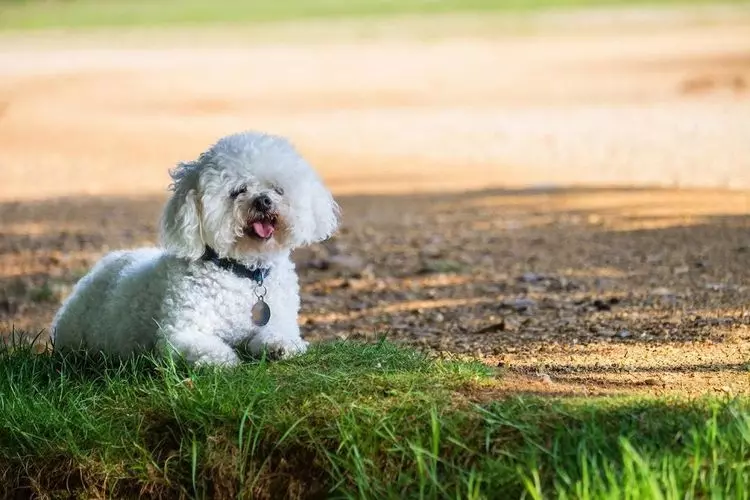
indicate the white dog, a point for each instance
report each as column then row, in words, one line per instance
column 228, row 230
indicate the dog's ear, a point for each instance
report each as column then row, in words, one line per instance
column 181, row 219
column 325, row 212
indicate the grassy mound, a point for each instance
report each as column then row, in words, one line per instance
column 348, row 420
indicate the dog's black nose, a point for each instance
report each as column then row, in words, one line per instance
column 263, row 203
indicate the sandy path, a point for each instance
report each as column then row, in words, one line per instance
column 568, row 291
column 667, row 105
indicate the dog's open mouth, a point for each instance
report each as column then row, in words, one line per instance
column 261, row 228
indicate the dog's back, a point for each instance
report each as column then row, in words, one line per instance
column 106, row 308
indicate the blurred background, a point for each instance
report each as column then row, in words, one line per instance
column 101, row 97
column 485, row 152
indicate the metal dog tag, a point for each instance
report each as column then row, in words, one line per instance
column 261, row 313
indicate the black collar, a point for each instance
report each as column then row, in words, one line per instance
column 257, row 274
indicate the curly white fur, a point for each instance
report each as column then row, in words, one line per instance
column 170, row 299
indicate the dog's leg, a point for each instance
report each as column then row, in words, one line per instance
column 199, row 348
column 280, row 340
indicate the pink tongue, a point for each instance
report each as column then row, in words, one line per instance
column 263, row 229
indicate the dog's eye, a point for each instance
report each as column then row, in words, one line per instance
column 240, row 190
column 279, row 190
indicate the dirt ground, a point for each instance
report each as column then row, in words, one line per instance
column 573, row 208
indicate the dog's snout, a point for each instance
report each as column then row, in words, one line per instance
column 263, row 203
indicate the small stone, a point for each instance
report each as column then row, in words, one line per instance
column 681, row 270
column 495, row 327
column 530, row 278
column 432, row 252
column 519, row 304
column 600, row 305
column 438, row 317
column 623, row 334
column 717, row 287
column 367, row 273
column 545, row 378
column 511, row 324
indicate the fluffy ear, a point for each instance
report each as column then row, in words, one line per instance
column 181, row 219
column 325, row 212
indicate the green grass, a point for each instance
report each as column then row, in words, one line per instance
column 349, row 420
column 36, row 14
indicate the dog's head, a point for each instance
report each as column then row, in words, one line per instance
column 248, row 195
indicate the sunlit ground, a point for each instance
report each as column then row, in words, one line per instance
column 401, row 117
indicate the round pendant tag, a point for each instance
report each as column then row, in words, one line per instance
column 261, row 313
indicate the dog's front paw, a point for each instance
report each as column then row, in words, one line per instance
column 276, row 348
column 286, row 349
